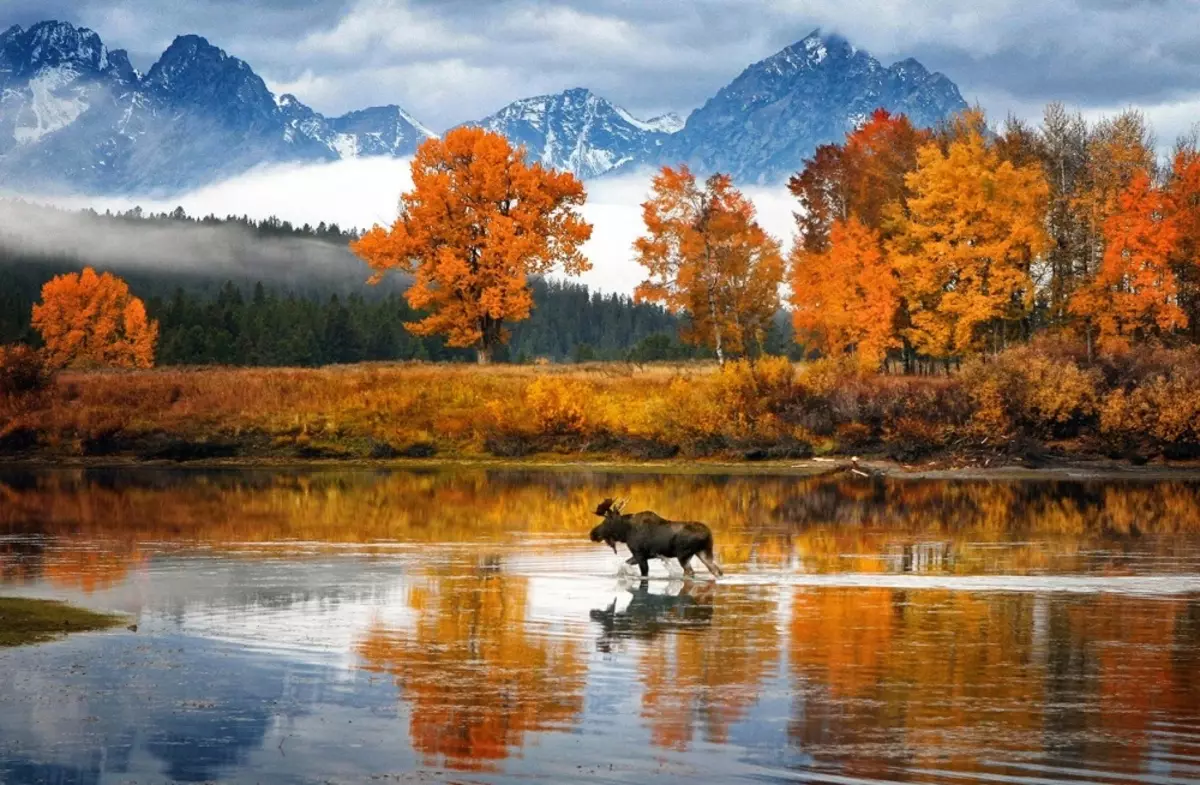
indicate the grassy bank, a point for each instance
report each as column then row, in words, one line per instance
column 24, row 621
column 1030, row 404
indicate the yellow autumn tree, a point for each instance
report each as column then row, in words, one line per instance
column 847, row 296
column 477, row 223
column 706, row 255
column 963, row 252
column 92, row 320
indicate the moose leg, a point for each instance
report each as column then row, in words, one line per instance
column 687, row 567
column 707, row 558
column 644, row 566
column 631, row 560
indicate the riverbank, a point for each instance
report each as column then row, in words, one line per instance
column 936, row 469
column 1029, row 408
column 25, row 620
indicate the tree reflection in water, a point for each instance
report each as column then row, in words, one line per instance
column 876, row 681
column 475, row 676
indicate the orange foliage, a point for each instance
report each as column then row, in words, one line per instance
column 880, row 154
column 863, row 179
column 22, row 371
column 846, row 297
column 705, row 254
column 1134, row 292
column 1183, row 190
column 713, row 678
column 476, row 224
column 477, row 677
column 964, row 251
column 90, row 320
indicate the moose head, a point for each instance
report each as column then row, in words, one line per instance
column 612, row 529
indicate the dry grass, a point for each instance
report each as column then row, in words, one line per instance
column 358, row 408
column 771, row 409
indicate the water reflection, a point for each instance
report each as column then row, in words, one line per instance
column 457, row 626
column 648, row 614
column 820, row 525
column 476, row 678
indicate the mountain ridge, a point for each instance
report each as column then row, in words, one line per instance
column 76, row 116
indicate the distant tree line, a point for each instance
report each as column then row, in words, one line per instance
column 271, row 226
column 238, row 320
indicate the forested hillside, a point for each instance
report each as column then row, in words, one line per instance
column 247, row 315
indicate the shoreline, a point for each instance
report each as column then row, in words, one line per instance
column 1069, row 469
column 26, row 621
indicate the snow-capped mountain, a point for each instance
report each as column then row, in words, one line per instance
column 762, row 126
column 579, row 131
column 380, row 130
column 76, row 116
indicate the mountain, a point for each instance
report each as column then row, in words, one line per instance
column 762, row 126
column 580, row 131
column 76, row 116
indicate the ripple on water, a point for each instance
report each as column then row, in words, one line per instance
column 459, row 627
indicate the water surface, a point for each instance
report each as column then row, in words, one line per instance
column 457, row 626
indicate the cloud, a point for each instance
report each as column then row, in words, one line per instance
column 360, row 193
column 614, row 209
column 229, row 250
column 450, row 61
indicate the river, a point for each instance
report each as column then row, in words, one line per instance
column 456, row 625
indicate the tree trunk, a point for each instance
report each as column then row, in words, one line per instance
column 483, row 355
column 712, row 314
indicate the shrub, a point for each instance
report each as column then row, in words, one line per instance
column 22, row 371
column 1030, row 392
column 1160, row 414
column 750, row 396
column 558, row 405
column 912, row 438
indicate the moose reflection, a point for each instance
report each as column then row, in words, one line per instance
column 683, row 606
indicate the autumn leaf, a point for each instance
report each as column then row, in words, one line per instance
column 477, row 223
column 846, row 297
column 90, row 320
column 1134, row 293
column 706, row 255
column 963, row 252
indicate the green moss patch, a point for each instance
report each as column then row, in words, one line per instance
column 24, row 621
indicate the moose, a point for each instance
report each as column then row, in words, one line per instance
column 649, row 535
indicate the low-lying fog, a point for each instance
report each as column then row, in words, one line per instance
column 352, row 193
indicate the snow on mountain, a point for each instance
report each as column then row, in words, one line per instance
column 51, row 105
column 762, row 126
column 380, row 130
column 75, row 115
column 579, row 131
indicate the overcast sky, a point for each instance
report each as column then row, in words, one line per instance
column 448, row 61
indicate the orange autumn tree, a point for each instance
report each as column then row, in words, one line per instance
column 1134, row 293
column 963, row 252
column 847, row 296
column 863, row 178
column 1184, row 193
column 477, row 223
column 92, row 320
column 706, row 255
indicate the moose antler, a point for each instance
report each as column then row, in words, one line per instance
column 610, row 506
